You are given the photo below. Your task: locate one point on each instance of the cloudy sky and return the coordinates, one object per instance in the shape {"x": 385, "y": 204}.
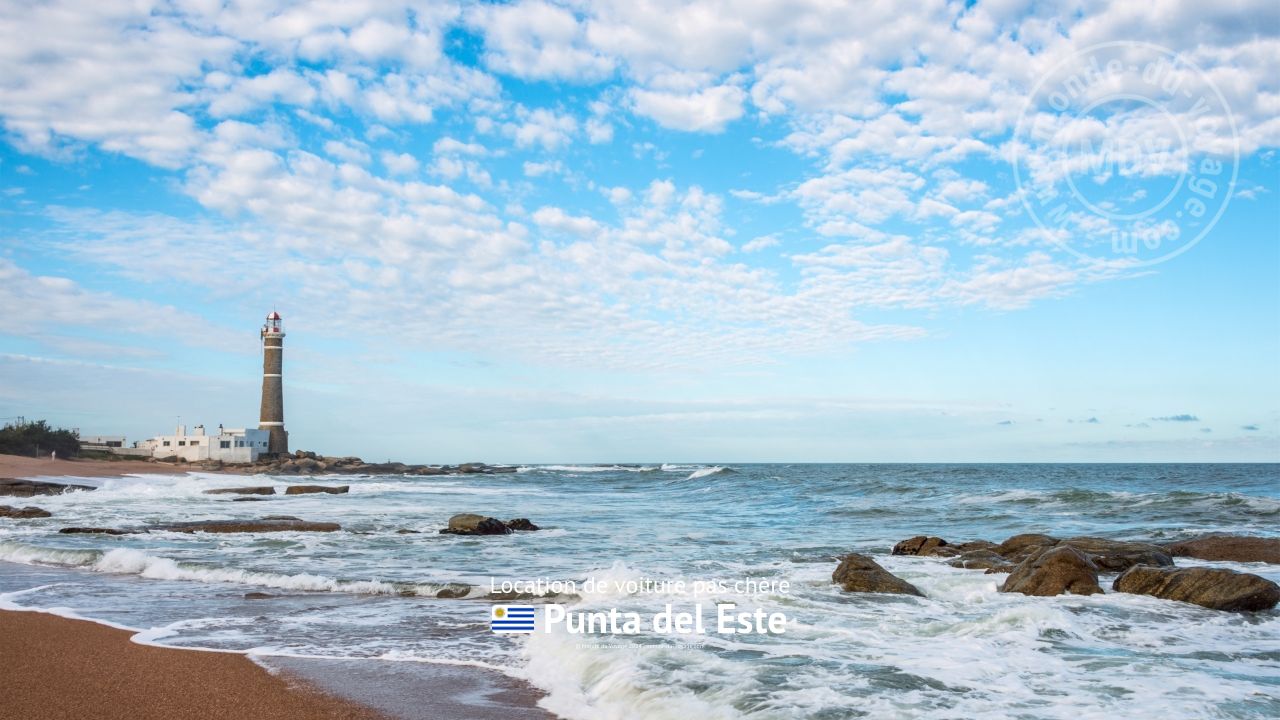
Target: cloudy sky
{"x": 648, "y": 230}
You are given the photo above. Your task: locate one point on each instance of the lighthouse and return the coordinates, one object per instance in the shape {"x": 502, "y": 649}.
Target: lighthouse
{"x": 272, "y": 416}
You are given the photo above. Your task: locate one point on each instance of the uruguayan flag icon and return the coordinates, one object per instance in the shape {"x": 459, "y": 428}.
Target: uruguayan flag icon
{"x": 511, "y": 618}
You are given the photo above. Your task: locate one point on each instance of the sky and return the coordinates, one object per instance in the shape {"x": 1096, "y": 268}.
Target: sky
{"x": 650, "y": 231}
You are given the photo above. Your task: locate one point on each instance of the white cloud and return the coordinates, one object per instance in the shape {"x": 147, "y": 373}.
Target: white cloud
{"x": 399, "y": 163}
{"x": 543, "y": 127}
{"x": 533, "y": 39}
{"x": 707, "y": 110}
{"x": 760, "y": 243}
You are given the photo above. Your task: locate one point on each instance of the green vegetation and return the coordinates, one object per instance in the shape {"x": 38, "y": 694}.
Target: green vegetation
{"x": 38, "y": 439}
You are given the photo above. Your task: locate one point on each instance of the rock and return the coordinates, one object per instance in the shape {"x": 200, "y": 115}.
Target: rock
{"x": 1054, "y": 571}
{"x": 24, "y": 513}
{"x": 472, "y": 524}
{"x": 254, "y": 490}
{"x": 307, "y": 454}
{"x": 521, "y": 524}
{"x": 93, "y": 531}
{"x": 30, "y": 488}
{"x": 982, "y": 560}
{"x": 306, "y": 464}
{"x": 1232, "y": 548}
{"x": 1213, "y": 588}
{"x": 311, "y": 489}
{"x": 1119, "y": 555}
{"x": 407, "y": 531}
{"x": 258, "y": 596}
{"x": 271, "y": 523}
{"x": 248, "y": 498}
{"x": 859, "y": 573}
{"x": 926, "y": 546}
{"x": 975, "y": 545}
{"x": 1019, "y": 547}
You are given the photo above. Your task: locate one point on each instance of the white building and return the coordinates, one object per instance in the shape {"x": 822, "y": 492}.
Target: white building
{"x": 240, "y": 445}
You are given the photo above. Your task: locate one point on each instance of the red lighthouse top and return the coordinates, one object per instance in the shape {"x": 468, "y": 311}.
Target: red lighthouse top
{"x": 273, "y": 326}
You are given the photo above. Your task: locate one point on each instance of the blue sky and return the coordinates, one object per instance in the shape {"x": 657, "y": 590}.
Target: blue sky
{"x": 650, "y": 231}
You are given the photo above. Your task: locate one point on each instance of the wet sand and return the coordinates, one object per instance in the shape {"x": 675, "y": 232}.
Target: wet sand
{"x": 56, "y": 668}
{"x": 17, "y": 466}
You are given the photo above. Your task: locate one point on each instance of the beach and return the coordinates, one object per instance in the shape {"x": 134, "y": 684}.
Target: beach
{"x": 59, "y": 668}
{"x": 17, "y": 466}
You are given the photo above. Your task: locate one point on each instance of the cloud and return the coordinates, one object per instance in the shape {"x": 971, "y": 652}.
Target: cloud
{"x": 1185, "y": 417}
{"x": 707, "y": 110}
{"x": 760, "y": 243}
{"x": 1250, "y": 428}
{"x": 538, "y": 40}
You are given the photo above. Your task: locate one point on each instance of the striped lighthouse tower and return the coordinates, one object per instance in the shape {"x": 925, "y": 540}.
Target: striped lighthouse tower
{"x": 272, "y": 416}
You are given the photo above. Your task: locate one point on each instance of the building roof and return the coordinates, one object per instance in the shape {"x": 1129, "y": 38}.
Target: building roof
{"x": 274, "y": 315}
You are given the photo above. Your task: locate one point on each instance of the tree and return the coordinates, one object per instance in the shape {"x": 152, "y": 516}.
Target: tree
{"x": 38, "y": 438}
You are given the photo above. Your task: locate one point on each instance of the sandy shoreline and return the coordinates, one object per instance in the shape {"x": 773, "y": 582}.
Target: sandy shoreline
{"x": 61, "y": 668}
{"x": 17, "y": 466}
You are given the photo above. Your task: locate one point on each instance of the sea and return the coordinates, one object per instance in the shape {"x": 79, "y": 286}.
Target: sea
{"x": 627, "y": 536}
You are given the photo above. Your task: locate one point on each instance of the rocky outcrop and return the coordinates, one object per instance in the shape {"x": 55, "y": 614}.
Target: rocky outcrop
{"x": 1119, "y": 555}
{"x": 31, "y": 488}
{"x": 255, "y": 490}
{"x": 313, "y": 489}
{"x": 930, "y": 546}
{"x": 304, "y": 462}
{"x": 1019, "y": 547}
{"x": 473, "y": 524}
{"x": 924, "y": 545}
{"x": 24, "y": 513}
{"x": 270, "y": 523}
{"x": 1053, "y": 571}
{"x": 93, "y": 531}
{"x": 859, "y": 573}
{"x": 523, "y": 524}
{"x": 1213, "y": 588}
{"x": 1231, "y": 548}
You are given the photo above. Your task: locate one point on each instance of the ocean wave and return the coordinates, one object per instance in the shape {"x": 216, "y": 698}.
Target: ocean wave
{"x": 709, "y": 471}
{"x": 591, "y": 468}
{"x": 127, "y": 561}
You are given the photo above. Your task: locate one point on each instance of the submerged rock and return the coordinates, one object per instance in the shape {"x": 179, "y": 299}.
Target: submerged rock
{"x": 1119, "y": 555}
{"x": 472, "y": 524}
{"x": 24, "y": 513}
{"x": 1232, "y": 548}
{"x": 94, "y": 531}
{"x": 859, "y": 573}
{"x": 30, "y": 488}
{"x": 453, "y": 592}
{"x": 982, "y": 560}
{"x": 310, "y": 489}
{"x": 256, "y": 490}
{"x": 271, "y": 523}
{"x": 1213, "y": 588}
{"x": 1054, "y": 571}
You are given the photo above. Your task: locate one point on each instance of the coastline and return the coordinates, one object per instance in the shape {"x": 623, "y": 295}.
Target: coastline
{"x": 62, "y": 667}
{"x": 19, "y": 467}
{"x": 58, "y": 667}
